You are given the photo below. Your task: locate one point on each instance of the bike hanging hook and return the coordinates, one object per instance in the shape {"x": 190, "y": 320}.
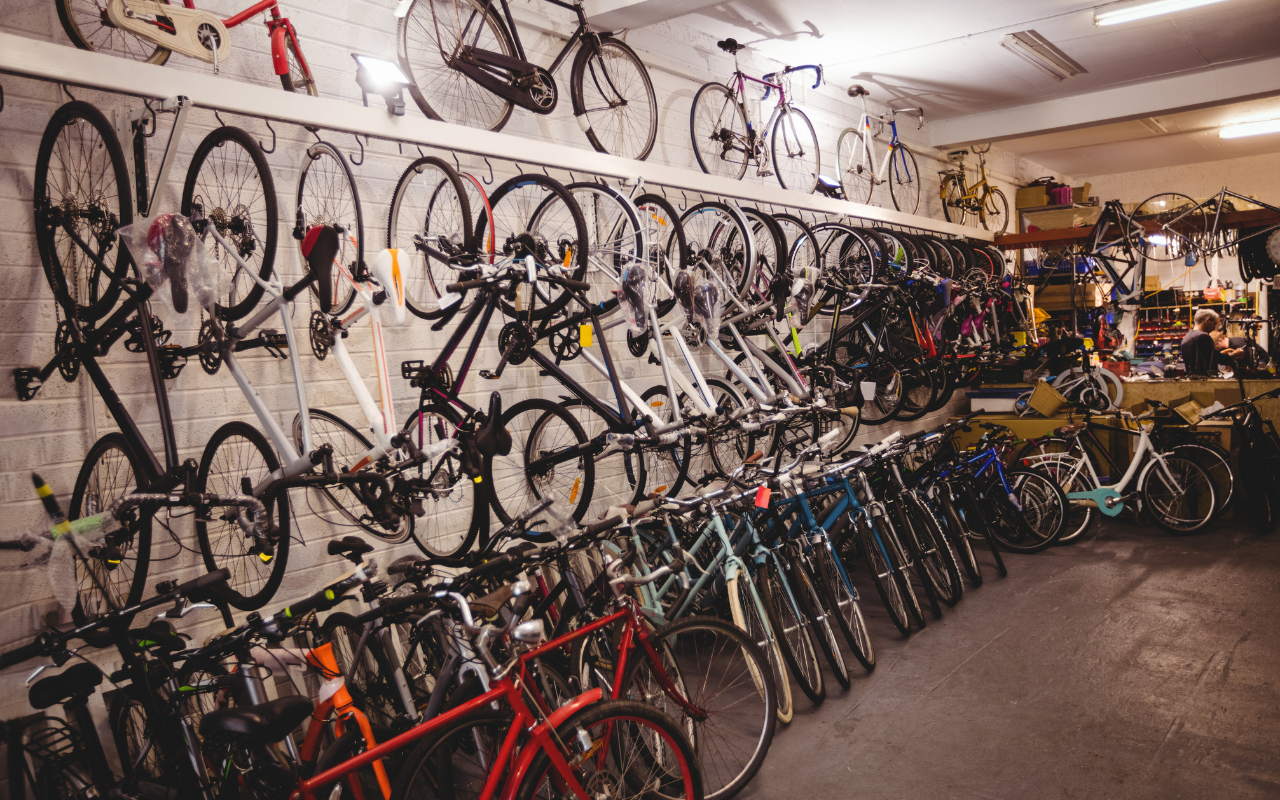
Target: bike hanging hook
{"x": 351, "y": 158}
{"x": 219, "y": 119}
{"x": 489, "y": 181}
{"x": 424, "y": 155}
{"x": 457, "y": 165}
{"x": 147, "y": 104}
{"x": 67, "y": 92}
{"x": 273, "y": 139}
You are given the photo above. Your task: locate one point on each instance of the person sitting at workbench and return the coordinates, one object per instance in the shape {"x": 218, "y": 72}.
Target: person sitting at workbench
{"x": 1233, "y": 351}
{"x": 1197, "y": 349}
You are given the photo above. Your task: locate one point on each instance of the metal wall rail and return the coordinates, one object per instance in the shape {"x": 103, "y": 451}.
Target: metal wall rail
{"x": 63, "y": 64}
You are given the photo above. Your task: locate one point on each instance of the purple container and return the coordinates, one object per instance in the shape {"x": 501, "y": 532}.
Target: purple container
{"x": 1061, "y": 196}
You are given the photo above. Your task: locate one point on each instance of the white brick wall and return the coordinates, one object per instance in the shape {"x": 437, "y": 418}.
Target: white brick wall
{"x": 52, "y": 433}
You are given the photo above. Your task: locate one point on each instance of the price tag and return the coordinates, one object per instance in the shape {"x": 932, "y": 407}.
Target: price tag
{"x": 868, "y": 389}
{"x": 449, "y": 298}
{"x": 584, "y": 335}
{"x": 762, "y": 496}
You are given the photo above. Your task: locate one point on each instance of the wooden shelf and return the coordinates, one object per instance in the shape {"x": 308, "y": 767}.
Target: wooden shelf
{"x": 1233, "y": 219}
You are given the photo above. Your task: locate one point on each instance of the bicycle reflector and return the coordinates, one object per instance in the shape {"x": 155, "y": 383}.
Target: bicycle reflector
{"x": 381, "y": 77}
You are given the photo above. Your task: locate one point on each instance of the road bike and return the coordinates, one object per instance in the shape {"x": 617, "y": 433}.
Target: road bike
{"x": 467, "y": 65}
{"x": 1182, "y": 228}
{"x": 149, "y": 30}
{"x": 726, "y": 138}
{"x": 960, "y": 199}
{"x": 856, "y": 158}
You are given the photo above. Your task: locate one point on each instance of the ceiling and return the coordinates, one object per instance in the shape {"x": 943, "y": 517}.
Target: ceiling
{"x": 945, "y": 55}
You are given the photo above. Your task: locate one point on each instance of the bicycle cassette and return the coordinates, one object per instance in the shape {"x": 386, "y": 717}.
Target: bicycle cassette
{"x": 321, "y": 335}
{"x": 210, "y": 348}
{"x": 65, "y": 346}
{"x": 515, "y": 341}
{"x": 565, "y": 344}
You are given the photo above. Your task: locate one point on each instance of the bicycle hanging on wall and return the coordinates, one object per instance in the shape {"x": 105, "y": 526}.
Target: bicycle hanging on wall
{"x": 981, "y": 199}
{"x": 856, "y": 156}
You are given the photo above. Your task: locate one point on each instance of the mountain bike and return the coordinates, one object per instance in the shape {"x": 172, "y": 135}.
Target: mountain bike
{"x": 149, "y": 30}
{"x": 726, "y": 138}
{"x": 856, "y": 158}
{"x": 467, "y": 65}
{"x": 961, "y": 199}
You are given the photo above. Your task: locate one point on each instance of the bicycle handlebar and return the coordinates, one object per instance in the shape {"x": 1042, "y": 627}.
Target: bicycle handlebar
{"x": 817, "y": 68}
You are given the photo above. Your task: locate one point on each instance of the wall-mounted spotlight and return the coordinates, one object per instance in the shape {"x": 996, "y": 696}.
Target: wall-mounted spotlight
{"x": 383, "y": 78}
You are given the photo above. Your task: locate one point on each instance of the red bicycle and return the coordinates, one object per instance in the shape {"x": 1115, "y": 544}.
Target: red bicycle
{"x": 149, "y": 30}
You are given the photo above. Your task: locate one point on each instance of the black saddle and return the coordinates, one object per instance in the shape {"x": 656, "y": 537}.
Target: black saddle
{"x": 730, "y": 46}
{"x": 261, "y": 724}
{"x": 159, "y": 634}
{"x": 491, "y": 437}
{"x": 319, "y": 247}
{"x": 957, "y": 153}
{"x": 349, "y": 546}
{"x": 75, "y": 683}
{"x": 857, "y": 91}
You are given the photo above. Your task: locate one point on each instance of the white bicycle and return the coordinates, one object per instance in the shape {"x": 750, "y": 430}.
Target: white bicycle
{"x": 856, "y": 156}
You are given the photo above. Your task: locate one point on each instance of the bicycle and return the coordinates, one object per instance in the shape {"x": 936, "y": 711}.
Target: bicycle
{"x": 1256, "y": 459}
{"x": 856, "y": 157}
{"x": 726, "y": 138}
{"x": 1190, "y": 230}
{"x": 148, "y": 31}
{"x": 467, "y": 65}
{"x": 981, "y": 199}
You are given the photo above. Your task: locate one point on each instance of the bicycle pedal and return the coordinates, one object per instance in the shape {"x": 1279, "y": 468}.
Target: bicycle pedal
{"x": 487, "y": 375}
{"x": 765, "y": 173}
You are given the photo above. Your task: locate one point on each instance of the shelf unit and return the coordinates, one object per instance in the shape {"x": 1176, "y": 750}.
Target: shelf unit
{"x": 1231, "y": 219}
{"x": 61, "y": 64}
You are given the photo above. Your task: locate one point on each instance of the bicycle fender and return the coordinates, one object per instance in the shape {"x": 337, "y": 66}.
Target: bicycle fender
{"x": 528, "y": 753}
{"x": 279, "y": 58}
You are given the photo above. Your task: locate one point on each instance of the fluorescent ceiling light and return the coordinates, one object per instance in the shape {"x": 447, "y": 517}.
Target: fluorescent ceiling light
{"x": 1042, "y": 54}
{"x": 1144, "y": 10}
{"x": 1250, "y": 129}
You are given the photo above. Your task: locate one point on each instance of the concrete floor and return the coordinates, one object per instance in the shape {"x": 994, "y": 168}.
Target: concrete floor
{"x": 1129, "y": 665}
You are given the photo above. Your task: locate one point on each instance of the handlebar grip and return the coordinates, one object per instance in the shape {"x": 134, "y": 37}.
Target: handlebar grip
{"x": 205, "y": 585}
{"x": 492, "y": 565}
{"x": 24, "y": 653}
{"x": 459, "y": 288}
{"x": 570, "y": 283}
{"x": 599, "y": 527}
{"x": 326, "y": 598}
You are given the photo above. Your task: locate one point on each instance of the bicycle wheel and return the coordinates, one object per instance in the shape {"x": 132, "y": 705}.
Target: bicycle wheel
{"x": 139, "y": 756}
{"x": 621, "y": 477}
{"x": 536, "y": 215}
{"x": 80, "y": 177}
{"x": 453, "y": 510}
{"x": 797, "y": 160}
{"x": 995, "y": 212}
{"x": 429, "y": 221}
{"x": 958, "y": 535}
{"x": 613, "y": 97}
{"x": 813, "y": 605}
{"x": 638, "y": 752}
{"x": 1036, "y": 521}
{"x": 904, "y": 179}
{"x": 664, "y": 468}
{"x": 718, "y": 126}
{"x": 771, "y": 254}
{"x": 1180, "y": 221}
{"x": 719, "y": 237}
{"x": 1178, "y": 494}
{"x": 454, "y": 761}
{"x": 792, "y": 628}
{"x": 899, "y": 560}
{"x": 1216, "y": 462}
{"x": 548, "y": 458}
{"x": 881, "y": 567}
{"x": 668, "y": 247}
{"x": 349, "y": 448}
{"x": 918, "y": 391}
{"x": 976, "y": 521}
{"x": 327, "y": 195}
{"x": 427, "y": 36}
{"x": 615, "y": 239}
{"x": 725, "y": 676}
{"x": 110, "y": 471}
{"x": 229, "y": 186}
{"x": 935, "y": 552}
{"x": 298, "y": 78}
{"x": 841, "y": 599}
{"x": 746, "y": 615}
{"x": 87, "y": 26}
{"x": 801, "y": 248}
{"x": 857, "y": 173}
{"x": 952, "y": 205}
{"x": 728, "y": 445}
{"x": 367, "y": 678}
{"x": 237, "y": 453}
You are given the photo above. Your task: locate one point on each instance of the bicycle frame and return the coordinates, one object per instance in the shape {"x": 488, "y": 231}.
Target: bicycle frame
{"x": 881, "y": 174}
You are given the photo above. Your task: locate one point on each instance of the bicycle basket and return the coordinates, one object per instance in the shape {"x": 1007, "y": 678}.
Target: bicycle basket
{"x": 57, "y": 745}
{"x": 1046, "y": 400}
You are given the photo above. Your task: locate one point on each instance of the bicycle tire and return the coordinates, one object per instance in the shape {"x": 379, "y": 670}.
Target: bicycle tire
{"x": 882, "y": 575}
{"x": 1010, "y": 527}
{"x": 444, "y": 752}
{"x": 247, "y": 589}
{"x": 857, "y": 180}
{"x": 439, "y": 530}
{"x": 974, "y": 517}
{"x": 746, "y": 615}
{"x": 617, "y": 717}
{"x": 330, "y": 197}
{"x": 901, "y": 563}
{"x": 665, "y": 467}
{"x": 710, "y": 95}
{"x": 813, "y": 606}
{"x": 443, "y": 217}
{"x": 297, "y": 78}
{"x": 206, "y": 200}
{"x": 69, "y": 15}
{"x": 918, "y": 392}
{"x": 914, "y": 557}
{"x": 1193, "y": 481}
{"x": 95, "y": 216}
{"x": 737, "y": 709}
{"x": 615, "y": 238}
{"x": 515, "y": 465}
{"x": 944, "y": 573}
{"x": 94, "y": 492}
{"x": 842, "y": 601}
{"x": 959, "y": 535}
{"x": 367, "y": 681}
{"x": 1216, "y": 462}
{"x": 995, "y": 211}
{"x": 904, "y": 179}
{"x": 711, "y": 238}
{"x": 951, "y": 191}
{"x": 591, "y": 60}
{"x": 623, "y": 477}
{"x": 770, "y": 246}
{"x": 517, "y": 219}
{"x": 667, "y": 258}
{"x": 801, "y": 173}
{"x": 792, "y": 631}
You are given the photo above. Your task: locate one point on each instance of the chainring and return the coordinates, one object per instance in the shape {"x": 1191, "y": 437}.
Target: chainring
{"x": 565, "y": 343}
{"x": 515, "y": 341}
{"x": 65, "y": 347}
{"x": 210, "y": 348}
{"x": 321, "y": 335}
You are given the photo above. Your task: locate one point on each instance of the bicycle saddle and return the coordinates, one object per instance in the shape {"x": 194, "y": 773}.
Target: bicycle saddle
{"x": 856, "y": 90}
{"x": 319, "y": 247}
{"x": 730, "y": 46}
{"x": 160, "y": 634}
{"x": 491, "y": 437}
{"x": 263, "y": 724}
{"x": 958, "y": 153}
{"x": 1075, "y": 427}
{"x": 350, "y": 547}
{"x": 488, "y": 605}
{"x": 75, "y": 683}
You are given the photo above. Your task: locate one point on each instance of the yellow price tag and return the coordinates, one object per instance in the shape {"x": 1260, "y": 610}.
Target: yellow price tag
{"x": 584, "y": 335}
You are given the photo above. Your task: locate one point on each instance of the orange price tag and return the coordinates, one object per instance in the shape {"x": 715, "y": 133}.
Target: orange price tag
{"x": 762, "y": 496}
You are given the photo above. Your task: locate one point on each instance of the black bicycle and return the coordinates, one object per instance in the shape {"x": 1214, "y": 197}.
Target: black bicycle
{"x": 1255, "y": 459}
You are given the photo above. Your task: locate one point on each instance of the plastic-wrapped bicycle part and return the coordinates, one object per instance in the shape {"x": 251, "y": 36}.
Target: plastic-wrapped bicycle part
{"x": 682, "y": 286}
{"x": 62, "y": 559}
{"x": 388, "y": 269}
{"x": 706, "y": 307}
{"x": 168, "y": 250}
{"x": 638, "y": 294}
{"x": 802, "y": 287}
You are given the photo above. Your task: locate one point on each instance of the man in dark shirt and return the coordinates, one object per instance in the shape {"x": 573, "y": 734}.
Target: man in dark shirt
{"x": 1198, "y": 353}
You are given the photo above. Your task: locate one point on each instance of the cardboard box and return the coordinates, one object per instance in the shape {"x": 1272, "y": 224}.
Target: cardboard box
{"x": 1151, "y": 283}
{"x": 1063, "y": 218}
{"x": 1190, "y": 405}
{"x": 1120, "y": 368}
{"x": 1080, "y": 194}
{"x": 1032, "y": 197}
